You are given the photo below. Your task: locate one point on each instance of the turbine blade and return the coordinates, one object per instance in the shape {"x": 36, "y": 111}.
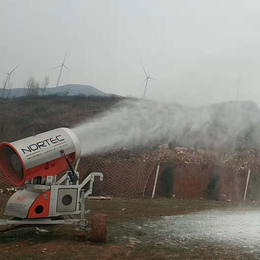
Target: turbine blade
{"x": 143, "y": 68}
{"x": 145, "y": 80}
{"x": 55, "y": 67}
{"x": 65, "y": 57}
{"x": 13, "y": 69}
{"x": 153, "y": 78}
{"x": 66, "y": 67}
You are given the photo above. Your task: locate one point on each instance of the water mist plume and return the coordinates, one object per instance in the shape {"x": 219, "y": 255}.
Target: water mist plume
{"x": 135, "y": 123}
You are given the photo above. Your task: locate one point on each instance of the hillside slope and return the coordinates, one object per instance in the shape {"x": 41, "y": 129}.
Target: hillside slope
{"x": 21, "y": 117}
{"x": 76, "y": 89}
{"x": 67, "y": 90}
{"x": 226, "y": 126}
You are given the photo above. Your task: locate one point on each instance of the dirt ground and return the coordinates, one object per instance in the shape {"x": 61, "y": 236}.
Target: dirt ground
{"x": 130, "y": 236}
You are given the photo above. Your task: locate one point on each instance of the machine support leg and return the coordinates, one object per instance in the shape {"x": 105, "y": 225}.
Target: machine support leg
{"x": 82, "y": 223}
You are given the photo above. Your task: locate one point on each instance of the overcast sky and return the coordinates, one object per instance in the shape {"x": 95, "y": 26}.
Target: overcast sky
{"x": 196, "y": 49}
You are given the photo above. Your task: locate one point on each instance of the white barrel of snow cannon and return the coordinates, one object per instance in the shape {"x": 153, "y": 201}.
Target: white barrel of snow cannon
{"x": 39, "y": 155}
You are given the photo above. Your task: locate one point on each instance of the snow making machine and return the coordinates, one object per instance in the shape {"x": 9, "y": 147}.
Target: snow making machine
{"x": 33, "y": 164}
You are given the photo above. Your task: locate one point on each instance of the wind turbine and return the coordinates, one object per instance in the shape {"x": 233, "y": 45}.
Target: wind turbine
{"x": 146, "y": 80}
{"x": 61, "y": 68}
{"x": 7, "y": 81}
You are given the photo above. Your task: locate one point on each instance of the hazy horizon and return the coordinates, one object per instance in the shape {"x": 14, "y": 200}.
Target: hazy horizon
{"x": 196, "y": 49}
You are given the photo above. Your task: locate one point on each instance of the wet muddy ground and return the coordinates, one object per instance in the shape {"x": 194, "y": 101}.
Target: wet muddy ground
{"x": 205, "y": 235}
{"x": 146, "y": 229}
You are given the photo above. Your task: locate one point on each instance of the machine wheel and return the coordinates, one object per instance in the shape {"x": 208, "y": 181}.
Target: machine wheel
{"x": 99, "y": 228}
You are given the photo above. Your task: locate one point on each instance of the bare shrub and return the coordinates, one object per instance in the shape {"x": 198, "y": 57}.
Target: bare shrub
{"x": 44, "y": 84}
{"x": 31, "y": 87}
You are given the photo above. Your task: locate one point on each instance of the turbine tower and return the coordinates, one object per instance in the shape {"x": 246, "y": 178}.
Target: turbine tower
{"x": 7, "y": 81}
{"x": 61, "y": 68}
{"x": 146, "y": 80}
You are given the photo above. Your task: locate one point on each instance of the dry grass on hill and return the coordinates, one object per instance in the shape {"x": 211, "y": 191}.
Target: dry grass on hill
{"x": 21, "y": 117}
